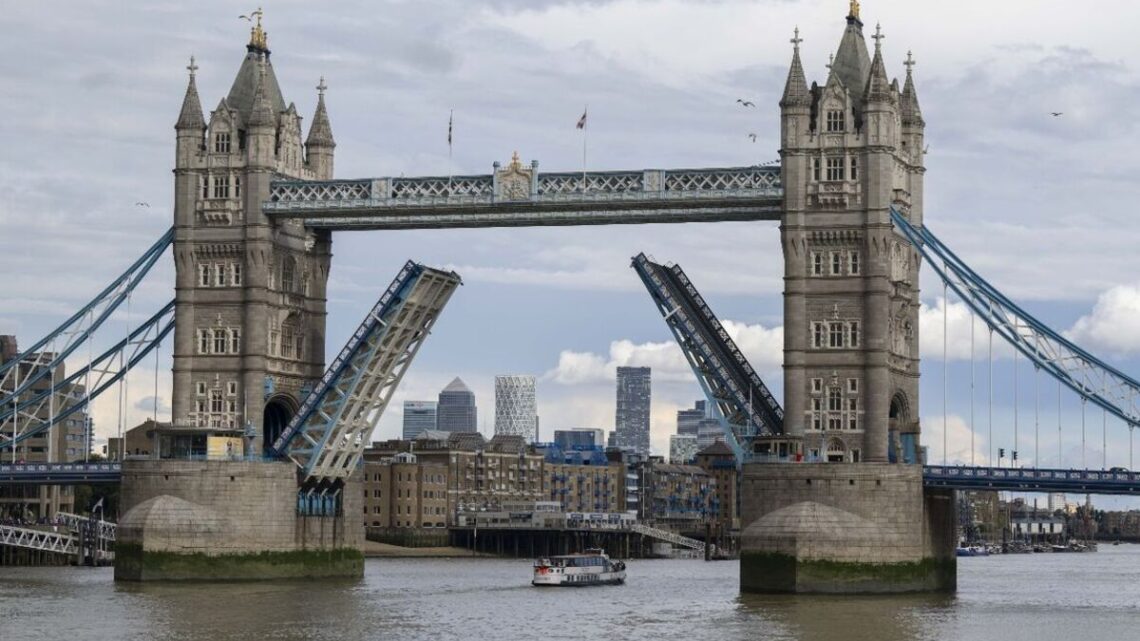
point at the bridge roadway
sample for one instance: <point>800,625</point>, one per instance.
<point>950,476</point>
<point>520,196</point>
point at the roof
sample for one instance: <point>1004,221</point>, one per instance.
<point>466,441</point>
<point>456,385</point>
<point>433,435</point>
<point>242,91</point>
<point>852,63</point>
<point>508,443</point>
<point>717,449</point>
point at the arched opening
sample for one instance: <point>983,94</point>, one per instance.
<point>836,451</point>
<point>902,445</point>
<point>279,410</point>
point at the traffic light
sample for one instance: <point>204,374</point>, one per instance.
<point>1015,455</point>
<point>1001,452</point>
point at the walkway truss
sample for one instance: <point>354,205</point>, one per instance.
<point>1091,378</point>
<point>744,404</point>
<point>32,399</point>
<point>327,436</point>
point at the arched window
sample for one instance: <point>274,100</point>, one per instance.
<point>289,274</point>
<point>288,337</point>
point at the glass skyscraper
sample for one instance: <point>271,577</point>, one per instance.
<point>456,411</point>
<point>516,410</point>
<point>418,416</point>
<point>631,423</point>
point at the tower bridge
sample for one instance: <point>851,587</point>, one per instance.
<point>255,209</point>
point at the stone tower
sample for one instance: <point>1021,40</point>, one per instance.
<point>250,294</point>
<point>852,149</point>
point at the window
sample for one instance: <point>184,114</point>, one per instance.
<point>216,401</point>
<point>815,169</point>
<point>201,388</point>
<point>816,385</point>
<point>273,342</point>
<point>231,388</point>
<point>221,273</point>
<point>853,263</point>
<point>836,121</point>
<point>222,143</point>
<point>235,274</point>
<point>203,341</point>
<point>835,169</point>
<point>222,186</point>
<point>854,168</point>
<point>231,407</point>
<point>205,186</point>
<point>288,274</point>
<point>835,335</point>
<point>834,409</point>
<point>235,341</point>
<point>219,341</point>
<point>852,413</point>
<point>817,414</point>
<point>836,264</point>
<point>817,264</point>
<point>853,333</point>
<point>817,335</point>
<point>204,274</point>
<point>237,183</point>
<point>288,336</point>
<point>200,406</point>
<point>852,386</point>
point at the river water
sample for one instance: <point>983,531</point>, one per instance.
<point>1030,597</point>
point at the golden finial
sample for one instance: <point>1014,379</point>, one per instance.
<point>854,9</point>
<point>257,37</point>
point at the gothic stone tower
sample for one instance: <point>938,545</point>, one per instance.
<point>250,299</point>
<point>851,150</point>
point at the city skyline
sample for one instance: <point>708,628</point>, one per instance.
<point>128,112</point>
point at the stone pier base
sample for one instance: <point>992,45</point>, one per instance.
<point>845,528</point>
<point>230,520</point>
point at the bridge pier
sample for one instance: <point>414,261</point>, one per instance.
<point>845,529</point>
<point>230,520</point>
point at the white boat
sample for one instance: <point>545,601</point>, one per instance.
<point>590,568</point>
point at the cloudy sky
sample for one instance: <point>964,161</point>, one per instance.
<point>1041,206</point>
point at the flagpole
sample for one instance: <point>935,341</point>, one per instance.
<point>585,140</point>
<point>450,169</point>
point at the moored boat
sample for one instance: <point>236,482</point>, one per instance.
<point>593,567</point>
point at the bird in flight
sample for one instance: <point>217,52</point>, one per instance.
<point>251,16</point>
<point>753,137</point>
<point>745,103</point>
<point>142,204</point>
<point>1057,114</point>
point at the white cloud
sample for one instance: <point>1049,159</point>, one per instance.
<point>957,340</point>
<point>1113,324</point>
<point>762,346</point>
<point>957,444</point>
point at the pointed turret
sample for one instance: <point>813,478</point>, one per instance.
<point>191,115</point>
<point>910,111</point>
<point>878,87</point>
<point>320,143</point>
<point>262,113</point>
<point>796,90</point>
<point>852,63</point>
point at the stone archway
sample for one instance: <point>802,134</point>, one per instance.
<point>279,410</point>
<point>835,451</point>
<point>898,421</point>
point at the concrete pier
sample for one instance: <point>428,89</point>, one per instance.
<point>230,520</point>
<point>845,529</point>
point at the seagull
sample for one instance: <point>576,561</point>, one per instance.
<point>1057,114</point>
<point>745,103</point>
<point>753,137</point>
<point>251,16</point>
<point>142,204</point>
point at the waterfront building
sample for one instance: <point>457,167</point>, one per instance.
<point>139,441</point>
<point>456,411</point>
<point>584,487</point>
<point>682,448</point>
<point>688,420</point>
<point>633,404</point>
<point>418,417</point>
<point>676,497</point>
<point>719,462</point>
<point>402,492</point>
<point>579,437</point>
<point>67,442</point>
<point>516,410</point>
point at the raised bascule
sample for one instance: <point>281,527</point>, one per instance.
<point>836,494</point>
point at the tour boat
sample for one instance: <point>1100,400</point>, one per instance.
<point>590,568</point>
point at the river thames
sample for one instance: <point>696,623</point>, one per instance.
<point>1012,598</point>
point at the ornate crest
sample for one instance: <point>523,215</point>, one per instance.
<point>514,181</point>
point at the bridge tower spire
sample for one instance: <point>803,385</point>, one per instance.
<point>320,143</point>
<point>851,297</point>
<point>250,297</point>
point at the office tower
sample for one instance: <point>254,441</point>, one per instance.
<point>632,416</point>
<point>516,411</point>
<point>418,416</point>
<point>456,411</point>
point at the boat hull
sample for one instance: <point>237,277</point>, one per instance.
<point>578,580</point>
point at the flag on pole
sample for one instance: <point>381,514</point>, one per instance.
<point>450,119</point>
<point>582,121</point>
<point>98,504</point>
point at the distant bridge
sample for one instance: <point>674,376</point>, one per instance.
<point>60,473</point>
<point>1032,480</point>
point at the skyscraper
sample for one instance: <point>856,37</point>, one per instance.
<point>579,437</point>
<point>632,416</point>
<point>456,410</point>
<point>418,416</point>
<point>687,420</point>
<point>516,411</point>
